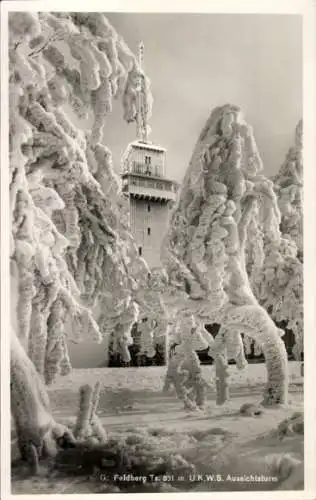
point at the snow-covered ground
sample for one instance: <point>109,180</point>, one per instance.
<point>151,377</point>
<point>244,451</point>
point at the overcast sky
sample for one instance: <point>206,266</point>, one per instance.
<point>198,61</point>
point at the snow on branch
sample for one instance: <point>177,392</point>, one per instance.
<point>70,238</point>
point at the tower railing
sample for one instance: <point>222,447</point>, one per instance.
<point>150,189</point>
<point>144,168</point>
<point>162,185</point>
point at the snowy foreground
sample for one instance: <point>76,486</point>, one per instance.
<point>230,451</point>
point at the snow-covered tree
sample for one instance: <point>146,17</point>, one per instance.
<point>289,189</point>
<point>74,263</point>
<point>204,251</point>
<point>278,284</point>
<point>154,330</point>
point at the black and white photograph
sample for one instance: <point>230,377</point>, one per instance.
<point>155,251</point>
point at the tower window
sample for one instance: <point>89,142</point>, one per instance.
<point>140,251</point>
<point>148,231</point>
<point>137,167</point>
<point>148,208</point>
<point>148,165</point>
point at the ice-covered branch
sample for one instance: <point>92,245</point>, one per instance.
<point>70,233</point>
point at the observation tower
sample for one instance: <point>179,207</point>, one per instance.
<point>151,194</point>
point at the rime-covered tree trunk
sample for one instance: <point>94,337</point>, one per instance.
<point>255,322</point>
<point>37,431</point>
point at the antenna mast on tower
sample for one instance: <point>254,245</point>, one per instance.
<point>141,100</point>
